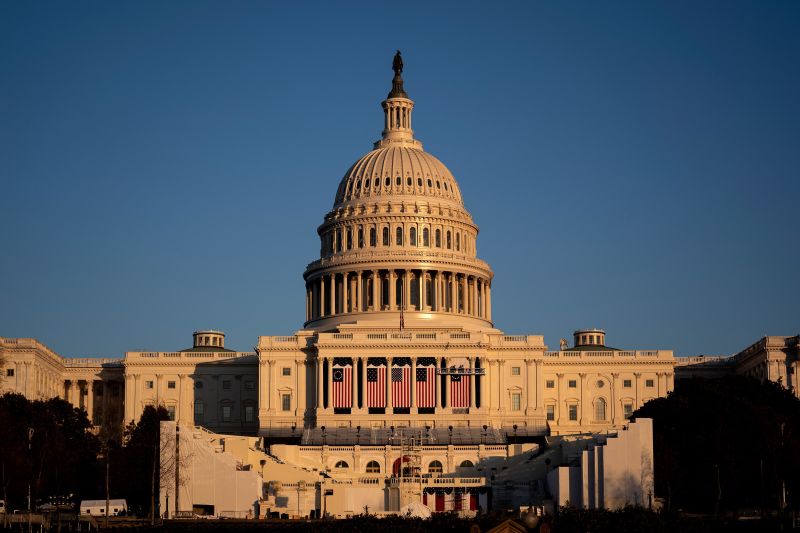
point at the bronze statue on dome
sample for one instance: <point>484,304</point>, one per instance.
<point>397,64</point>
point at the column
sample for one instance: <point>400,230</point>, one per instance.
<point>128,398</point>
<point>423,293</point>
<point>71,393</point>
<point>389,401</point>
<point>359,292</point>
<point>345,283</point>
<point>333,294</point>
<point>263,388</point>
<point>558,397</point>
<point>448,397</point>
<point>106,394</point>
<point>273,386</point>
<point>582,408</point>
<point>322,296</point>
<point>474,307</point>
<point>612,416</point>
<point>436,298</point>
<point>302,393</point>
<point>453,293</point>
<point>501,372</point>
<point>539,385</point>
<point>90,400</point>
<point>313,285</point>
<point>637,375</point>
<point>488,301</point>
<point>376,281</point>
<point>392,290</point>
<point>472,383</point>
<point>327,379</point>
<point>413,384</point>
<point>484,379</point>
<point>353,380</point>
<point>438,389</point>
<point>361,396</point>
<point>464,295</point>
<point>319,383</point>
<point>136,396</point>
<point>407,289</point>
<point>531,388</point>
<point>180,415</point>
<point>490,377</point>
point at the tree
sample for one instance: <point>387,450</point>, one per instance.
<point>139,461</point>
<point>726,444</point>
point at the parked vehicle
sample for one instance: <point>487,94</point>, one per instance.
<point>98,507</point>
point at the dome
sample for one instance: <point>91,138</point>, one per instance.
<point>398,170</point>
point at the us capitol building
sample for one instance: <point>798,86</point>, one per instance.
<point>398,343</point>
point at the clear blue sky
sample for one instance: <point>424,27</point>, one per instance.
<point>632,165</point>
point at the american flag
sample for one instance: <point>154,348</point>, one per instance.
<point>426,386</point>
<point>376,386</point>
<point>401,386</point>
<point>342,386</point>
<point>459,390</point>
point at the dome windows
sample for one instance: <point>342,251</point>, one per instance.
<point>349,239</point>
<point>385,236</point>
<point>412,236</point>
<point>430,183</point>
<point>437,239</point>
<point>419,182</point>
<point>399,236</point>
<point>360,237</point>
<point>425,237</point>
<point>373,237</point>
<point>408,181</point>
<point>458,242</point>
<point>449,240</point>
<point>388,181</point>
<point>398,181</point>
<point>373,467</point>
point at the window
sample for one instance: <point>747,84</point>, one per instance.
<point>466,464</point>
<point>373,237</point>
<point>170,384</point>
<point>515,370</point>
<point>398,181</point>
<point>226,413</point>
<point>341,464</point>
<point>425,237</point>
<point>430,183</point>
<point>626,383</point>
<point>419,182</point>
<point>458,242</point>
<point>349,239</point>
<point>408,181</point>
<point>649,383</point>
<point>435,467</point>
<point>388,181</point>
<point>438,184</point>
<point>286,402</point>
<point>250,385</point>
<point>198,384</point>
<point>10,372</point>
<point>516,400</point>
<point>550,384</point>
<point>412,236</point>
<point>551,412</point>
<point>398,240</point>
<point>437,239</point>
<point>373,467</point>
<point>226,384</point>
<point>286,371</point>
<point>627,410</point>
<point>360,237</point>
<point>249,413</point>
<point>199,411</point>
<point>447,239</point>
<point>386,236</point>
<point>572,384</point>
<point>148,384</point>
<point>171,412</point>
<point>573,412</point>
<point>600,409</point>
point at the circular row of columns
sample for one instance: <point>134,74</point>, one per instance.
<point>348,292</point>
<point>324,392</point>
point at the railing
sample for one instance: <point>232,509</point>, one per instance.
<point>90,361</point>
<point>700,359</point>
<point>610,353</point>
<point>354,256</point>
<point>186,355</point>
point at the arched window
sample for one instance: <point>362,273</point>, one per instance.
<point>360,237</point>
<point>466,464</point>
<point>425,237</point>
<point>412,236</point>
<point>349,239</point>
<point>386,236</point>
<point>435,467</point>
<point>399,237</point>
<point>438,238</point>
<point>419,182</point>
<point>373,467</point>
<point>458,242</point>
<point>373,237</point>
<point>341,464</point>
<point>338,241</point>
<point>600,409</point>
<point>449,243</point>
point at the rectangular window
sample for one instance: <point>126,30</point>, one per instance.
<point>649,383</point>
<point>286,402</point>
<point>627,410</point>
<point>199,411</point>
<point>515,371</point>
<point>573,412</point>
<point>286,371</point>
<point>170,384</point>
<point>550,384</point>
<point>573,383</point>
<point>171,412</point>
<point>516,400</point>
<point>249,413</point>
<point>226,384</point>
<point>148,384</point>
<point>250,385</point>
<point>626,383</point>
<point>551,412</point>
<point>226,413</point>
<point>10,372</point>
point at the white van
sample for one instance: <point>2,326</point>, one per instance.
<point>98,507</point>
